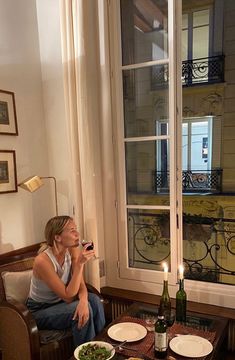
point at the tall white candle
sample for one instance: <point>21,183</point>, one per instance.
<point>165,267</point>
<point>181,272</point>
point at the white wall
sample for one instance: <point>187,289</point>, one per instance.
<point>41,146</point>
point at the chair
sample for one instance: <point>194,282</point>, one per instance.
<point>20,338</point>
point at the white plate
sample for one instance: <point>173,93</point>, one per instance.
<point>129,331</point>
<point>100,343</point>
<point>191,346</point>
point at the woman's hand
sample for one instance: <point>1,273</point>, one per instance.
<point>81,313</point>
<point>85,255</point>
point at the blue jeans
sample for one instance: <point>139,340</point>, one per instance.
<point>59,316</point>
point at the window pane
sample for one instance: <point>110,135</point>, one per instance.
<point>147,172</point>
<point>184,21</point>
<point>201,17</point>
<point>184,45</point>
<point>148,238</point>
<point>199,131</point>
<point>200,127</point>
<point>144,30</point>
<point>201,42</point>
<point>184,146</point>
<point>143,107</point>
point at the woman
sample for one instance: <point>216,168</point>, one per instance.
<point>58,278</point>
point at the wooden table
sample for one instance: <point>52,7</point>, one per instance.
<point>215,325</point>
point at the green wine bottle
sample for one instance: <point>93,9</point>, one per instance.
<point>165,302</point>
<point>160,343</point>
<point>181,302</point>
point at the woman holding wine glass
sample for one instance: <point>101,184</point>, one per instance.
<point>58,279</point>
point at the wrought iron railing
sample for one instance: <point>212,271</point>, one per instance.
<point>210,249</point>
<point>197,71</point>
<point>204,70</point>
<point>192,181</point>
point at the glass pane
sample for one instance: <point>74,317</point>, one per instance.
<point>208,238</point>
<point>185,147</point>
<point>201,17</point>
<point>199,140</point>
<point>201,42</point>
<point>145,93</point>
<point>200,127</point>
<point>147,172</point>
<point>209,206</point>
<point>144,30</point>
<point>148,238</point>
<point>184,21</point>
<point>184,45</point>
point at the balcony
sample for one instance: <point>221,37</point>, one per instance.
<point>206,70</point>
<point>194,72</point>
<point>193,181</point>
<point>209,249</point>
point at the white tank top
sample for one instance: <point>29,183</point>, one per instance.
<point>39,291</point>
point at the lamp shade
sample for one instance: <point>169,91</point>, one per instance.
<point>31,184</point>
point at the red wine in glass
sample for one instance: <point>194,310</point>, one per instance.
<point>90,247</point>
<point>85,242</point>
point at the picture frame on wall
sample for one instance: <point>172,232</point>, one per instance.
<point>8,119</point>
<point>8,176</point>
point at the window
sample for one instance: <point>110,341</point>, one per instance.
<point>197,144</point>
<point>150,136</point>
<point>196,34</point>
<point>146,218</point>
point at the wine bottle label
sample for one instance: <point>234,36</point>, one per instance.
<point>160,341</point>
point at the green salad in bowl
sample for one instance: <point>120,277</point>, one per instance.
<point>94,350</point>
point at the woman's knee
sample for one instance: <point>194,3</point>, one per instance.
<point>94,300</point>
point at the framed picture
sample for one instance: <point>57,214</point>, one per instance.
<point>8,121</point>
<point>8,177</point>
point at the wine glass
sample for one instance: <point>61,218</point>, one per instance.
<point>150,321</point>
<point>85,242</point>
<point>90,247</point>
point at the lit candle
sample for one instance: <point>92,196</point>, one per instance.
<point>181,272</point>
<point>165,271</point>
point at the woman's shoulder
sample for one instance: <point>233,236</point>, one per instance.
<point>41,259</point>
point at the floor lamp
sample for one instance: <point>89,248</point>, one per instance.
<point>33,183</point>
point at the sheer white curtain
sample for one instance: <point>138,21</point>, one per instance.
<point>80,30</point>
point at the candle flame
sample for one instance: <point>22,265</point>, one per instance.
<point>165,267</point>
<point>181,269</point>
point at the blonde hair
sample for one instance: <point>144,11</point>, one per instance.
<point>54,227</point>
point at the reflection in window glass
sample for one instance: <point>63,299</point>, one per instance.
<point>143,106</point>
<point>148,238</point>
<point>184,21</point>
<point>147,172</point>
<point>184,45</point>
<point>144,24</point>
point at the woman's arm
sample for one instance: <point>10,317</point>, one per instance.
<point>44,270</point>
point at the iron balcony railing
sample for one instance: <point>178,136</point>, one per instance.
<point>192,181</point>
<point>208,70</point>
<point>209,251</point>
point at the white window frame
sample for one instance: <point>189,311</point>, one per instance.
<point>129,277</point>
<point>204,292</point>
